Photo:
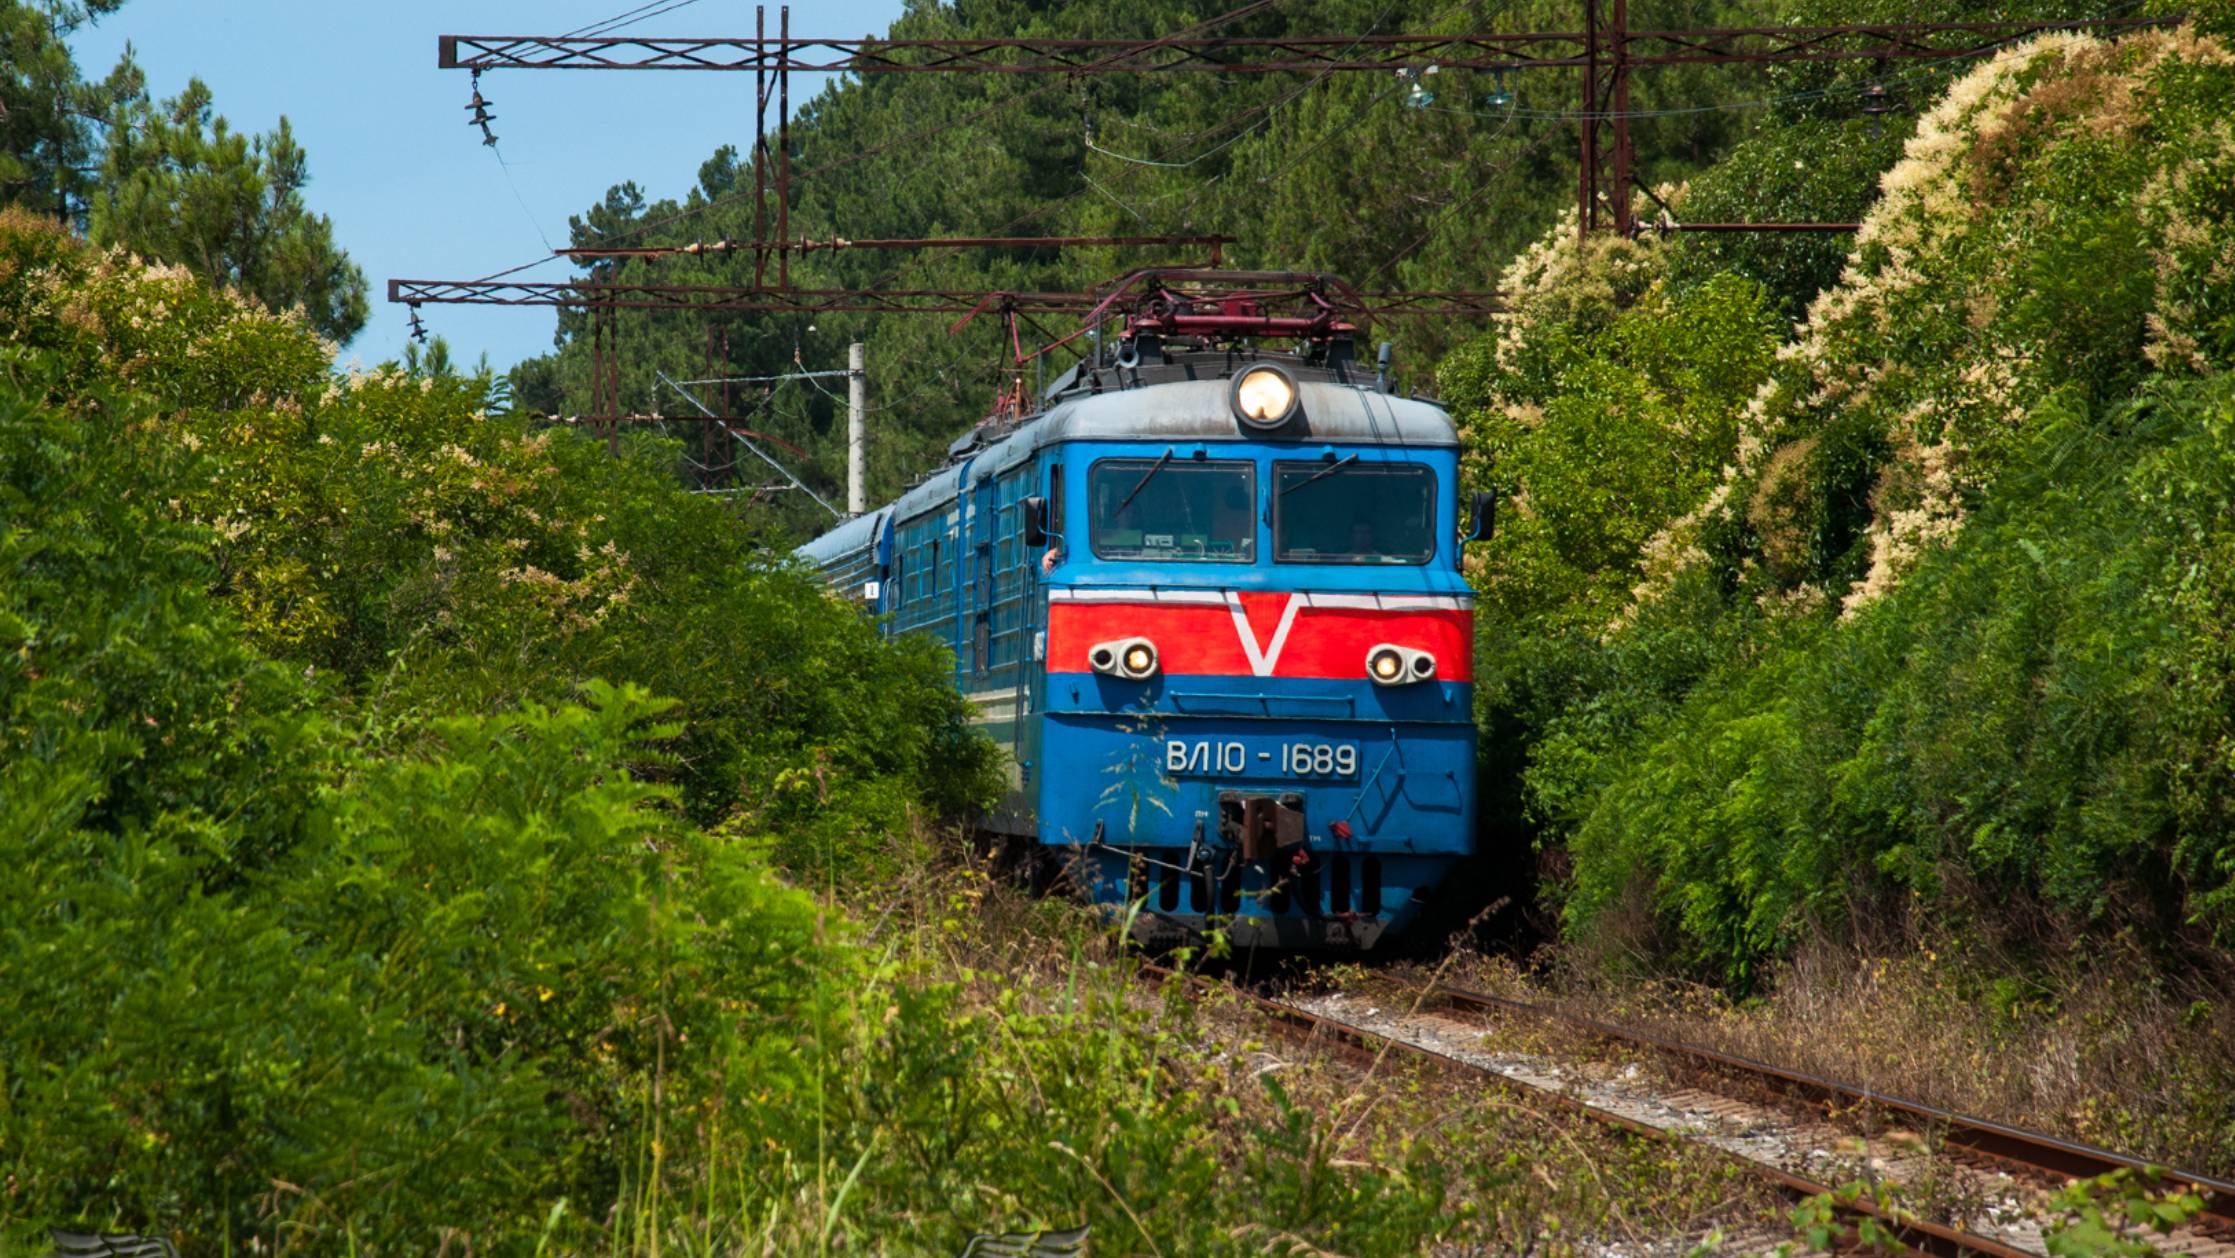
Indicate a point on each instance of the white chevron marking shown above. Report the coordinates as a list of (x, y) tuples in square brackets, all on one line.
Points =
[(1262, 659)]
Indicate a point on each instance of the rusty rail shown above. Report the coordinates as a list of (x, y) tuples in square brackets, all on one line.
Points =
[(2033, 1151), (1918, 1235)]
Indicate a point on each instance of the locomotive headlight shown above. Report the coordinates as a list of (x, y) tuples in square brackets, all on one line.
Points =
[(1390, 665), (1133, 659), (1385, 664), (1264, 396)]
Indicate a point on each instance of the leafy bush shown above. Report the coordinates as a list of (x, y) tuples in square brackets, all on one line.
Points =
[(350, 901), (1599, 411), (1811, 170), (264, 982), (387, 530), (1922, 617), (1607, 402)]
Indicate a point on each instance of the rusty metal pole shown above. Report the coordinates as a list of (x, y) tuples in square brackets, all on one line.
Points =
[(1625, 158), (715, 367), (613, 383), (605, 376), (728, 407), (1587, 180), (784, 144), (760, 148)]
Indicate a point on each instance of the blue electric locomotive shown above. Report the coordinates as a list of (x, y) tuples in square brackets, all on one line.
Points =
[(1209, 600)]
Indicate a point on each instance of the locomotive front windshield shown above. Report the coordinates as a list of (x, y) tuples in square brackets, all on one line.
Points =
[(1169, 509), (1349, 512)]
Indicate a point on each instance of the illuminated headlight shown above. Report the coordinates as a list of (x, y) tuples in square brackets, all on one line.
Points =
[(1130, 658), (1386, 664), (1264, 396), (1391, 665)]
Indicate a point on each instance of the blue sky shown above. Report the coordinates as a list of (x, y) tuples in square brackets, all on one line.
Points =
[(411, 189)]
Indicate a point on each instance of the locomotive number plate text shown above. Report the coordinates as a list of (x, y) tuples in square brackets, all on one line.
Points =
[(1211, 757)]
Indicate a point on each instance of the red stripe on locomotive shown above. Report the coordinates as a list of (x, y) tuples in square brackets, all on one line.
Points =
[(1207, 639)]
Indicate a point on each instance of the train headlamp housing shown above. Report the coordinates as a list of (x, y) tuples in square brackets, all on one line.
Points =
[(1264, 396), (1392, 665), (1133, 659)]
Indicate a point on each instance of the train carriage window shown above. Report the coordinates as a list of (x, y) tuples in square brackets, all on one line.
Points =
[(1352, 512), (1161, 509)]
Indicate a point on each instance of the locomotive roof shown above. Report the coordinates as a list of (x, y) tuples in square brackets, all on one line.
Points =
[(1167, 406), (1199, 410)]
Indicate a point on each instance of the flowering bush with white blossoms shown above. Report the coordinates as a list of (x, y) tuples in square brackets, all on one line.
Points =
[(2058, 222), (1925, 609)]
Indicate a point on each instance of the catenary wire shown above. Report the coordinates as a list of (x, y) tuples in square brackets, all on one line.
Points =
[(630, 18), (1265, 108), (851, 159)]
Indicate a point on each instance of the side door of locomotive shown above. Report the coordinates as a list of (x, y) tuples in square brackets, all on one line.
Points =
[(1044, 479)]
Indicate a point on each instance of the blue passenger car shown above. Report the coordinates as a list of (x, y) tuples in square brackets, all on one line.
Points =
[(1210, 603)]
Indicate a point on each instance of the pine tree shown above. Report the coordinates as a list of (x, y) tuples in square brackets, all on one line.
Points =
[(179, 184), (49, 146)]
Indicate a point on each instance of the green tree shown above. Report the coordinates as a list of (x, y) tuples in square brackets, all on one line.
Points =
[(49, 147), (180, 185)]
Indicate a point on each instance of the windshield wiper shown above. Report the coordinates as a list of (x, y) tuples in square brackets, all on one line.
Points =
[(1158, 466), (1322, 473)]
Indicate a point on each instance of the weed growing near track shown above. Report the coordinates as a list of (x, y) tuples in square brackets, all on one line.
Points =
[(2100, 1045), (1186, 1127)]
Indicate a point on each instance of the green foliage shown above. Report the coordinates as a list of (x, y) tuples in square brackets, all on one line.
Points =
[(1921, 623), (170, 182), (2100, 1217), (244, 953), (1608, 403), (2028, 719), (351, 902), (1595, 426), (384, 529), (1811, 170), (48, 149), (179, 185), (1822, 1224)]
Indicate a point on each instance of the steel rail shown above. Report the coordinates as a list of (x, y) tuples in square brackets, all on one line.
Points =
[(1918, 1235), (2033, 1150)]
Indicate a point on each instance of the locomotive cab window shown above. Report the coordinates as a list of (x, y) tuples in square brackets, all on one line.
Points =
[(1352, 512), (1168, 509)]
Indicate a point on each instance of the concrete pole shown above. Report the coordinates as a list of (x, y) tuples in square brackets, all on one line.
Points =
[(857, 390)]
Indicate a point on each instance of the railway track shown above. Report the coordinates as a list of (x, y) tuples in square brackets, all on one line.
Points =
[(1806, 1134)]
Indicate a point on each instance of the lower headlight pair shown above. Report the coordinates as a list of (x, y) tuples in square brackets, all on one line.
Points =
[(1391, 665), (1131, 658)]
